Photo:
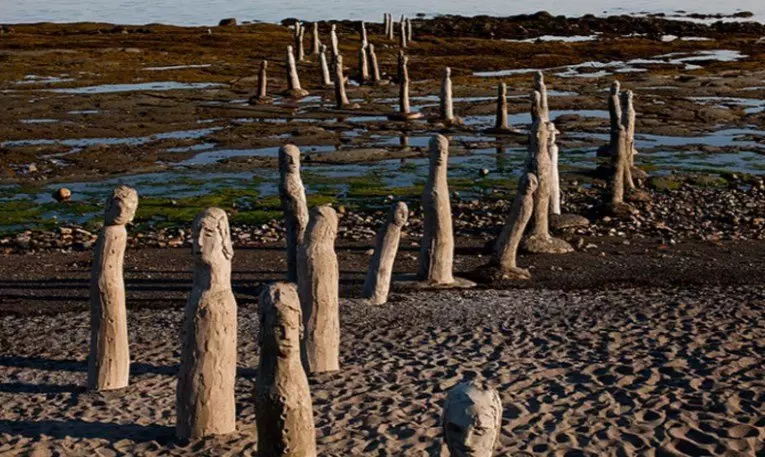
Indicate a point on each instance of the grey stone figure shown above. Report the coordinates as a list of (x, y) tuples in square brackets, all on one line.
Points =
[(540, 240), (386, 24), (315, 42), (326, 80), (447, 101), (437, 248), (341, 99), (405, 113), (501, 126), (318, 283), (377, 283), (293, 81), (363, 76), (205, 398), (409, 36), (628, 120), (109, 359), (472, 420), (363, 35), (402, 33), (294, 205), (374, 67), (334, 42), (539, 86), (283, 407), (618, 183), (506, 250), (391, 27), (262, 96), (299, 34)]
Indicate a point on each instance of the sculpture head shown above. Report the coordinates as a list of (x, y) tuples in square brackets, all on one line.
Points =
[(502, 90), (626, 98), (539, 80), (551, 131), (121, 206), (528, 184), (322, 224), (290, 56), (281, 320), (399, 214), (264, 65), (472, 420), (289, 159), (371, 48), (536, 104), (323, 48), (615, 87), (447, 73), (439, 150), (211, 238)]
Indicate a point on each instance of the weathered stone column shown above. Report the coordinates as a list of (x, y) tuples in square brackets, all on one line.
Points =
[(293, 81), (472, 420), (375, 68), (386, 24), (363, 35), (539, 86), (283, 407), (620, 164), (402, 35), (377, 283), (628, 120), (507, 244), (363, 66), (109, 359), (318, 283), (205, 403), (409, 37), (539, 240), (326, 80), (334, 42), (315, 42), (341, 99), (262, 95), (552, 148), (292, 195), (501, 126), (437, 246), (404, 113), (614, 107), (391, 27), (298, 35), (447, 101)]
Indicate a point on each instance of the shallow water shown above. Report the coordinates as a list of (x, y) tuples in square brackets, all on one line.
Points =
[(209, 12), (151, 86)]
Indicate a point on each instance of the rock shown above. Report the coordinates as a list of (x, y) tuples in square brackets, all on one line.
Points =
[(228, 22), (62, 195)]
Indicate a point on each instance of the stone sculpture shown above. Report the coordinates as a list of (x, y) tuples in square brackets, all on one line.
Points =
[(405, 113), (363, 65), (409, 36), (437, 248), (507, 244), (341, 99), (501, 126), (318, 283), (262, 95), (293, 81), (334, 42), (402, 33), (283, 408), (472, 420), (391, 27), (375, 68), (377, 283), (539, 86), (315, 43), (299, 34), (109, 359), (539, 240), (326, 80), (620, 171), (386, 24), (363, 35), (553, 150), (294, 205), (205, 403), (447, 101)]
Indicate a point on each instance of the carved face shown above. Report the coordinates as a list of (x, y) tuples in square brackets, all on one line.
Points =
[(281, 322), (439, 150), (121, 206), (528, 184), (289, 158), (210, 234), (615, 87), (400, 214), (472, 418)]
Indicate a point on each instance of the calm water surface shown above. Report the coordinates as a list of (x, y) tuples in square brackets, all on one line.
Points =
[(209, 12)]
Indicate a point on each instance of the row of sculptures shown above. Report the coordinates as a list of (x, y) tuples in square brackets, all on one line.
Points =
[(299, 318)]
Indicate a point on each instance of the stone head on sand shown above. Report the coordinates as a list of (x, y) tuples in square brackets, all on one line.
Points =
[(472, 420), (211, 239), (281, 322), (121, 206)]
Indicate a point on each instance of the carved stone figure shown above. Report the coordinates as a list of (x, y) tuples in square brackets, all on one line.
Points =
[(377, 283), (618, 183), (554, 173), (472, 420), (341, 99), (501, 126), (363, 35), (539, 240), (326, 80), (402, 33), (447, 101), (506, 249), (334, 42), (205, 403), (539, 86), (109, 359), (386, 24), (315, 43), (391, 27), (262, 96), (283, 408), (294, 204), (293, 81), (375, 68), (409, 36), (318, 283), (405, 113), (298, 35), (363, 66)]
